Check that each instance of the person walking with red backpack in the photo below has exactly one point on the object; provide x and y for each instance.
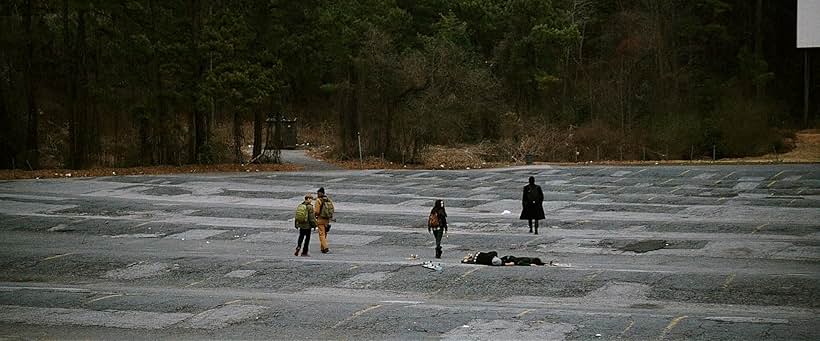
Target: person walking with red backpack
(437, 224)
(304, 221)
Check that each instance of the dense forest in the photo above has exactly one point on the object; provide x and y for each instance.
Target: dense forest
(144, 82)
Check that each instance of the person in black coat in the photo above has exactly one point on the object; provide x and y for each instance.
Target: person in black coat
(531, 201)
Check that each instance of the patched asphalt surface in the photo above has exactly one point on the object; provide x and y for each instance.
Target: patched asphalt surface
(731, 252)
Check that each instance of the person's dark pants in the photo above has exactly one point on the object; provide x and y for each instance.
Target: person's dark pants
(536, 225)
(304, 234)
(438, 234)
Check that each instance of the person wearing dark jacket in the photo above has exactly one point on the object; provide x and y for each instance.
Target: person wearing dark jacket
(437, 224)
(532, 201)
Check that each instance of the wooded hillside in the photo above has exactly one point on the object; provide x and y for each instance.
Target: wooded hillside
(148, 82)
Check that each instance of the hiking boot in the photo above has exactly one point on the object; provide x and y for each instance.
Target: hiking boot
(297, 252)
(325, 250)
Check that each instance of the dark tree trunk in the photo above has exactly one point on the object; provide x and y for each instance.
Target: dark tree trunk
(159, 131)
(258, 124)
(237, 136)
(71, 84)
(81, 112)
(32, 149)
(199, 118)
(5, 129)
(758, 42)
(77, 103)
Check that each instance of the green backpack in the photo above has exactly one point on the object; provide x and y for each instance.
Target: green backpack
(326, 210)
(301, 214)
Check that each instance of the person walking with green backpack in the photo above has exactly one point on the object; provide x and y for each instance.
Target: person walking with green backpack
(304, 221)
(324, 215)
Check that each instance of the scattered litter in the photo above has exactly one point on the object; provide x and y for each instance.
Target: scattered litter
(560, 265)
(433, 266)
(113, 173)
(465, 326)
(506, 212)
(597, 335)
(413, 256)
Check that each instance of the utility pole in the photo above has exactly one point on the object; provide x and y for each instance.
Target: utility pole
(361, 161)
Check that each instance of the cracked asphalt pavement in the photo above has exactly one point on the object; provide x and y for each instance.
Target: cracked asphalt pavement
(210, 256)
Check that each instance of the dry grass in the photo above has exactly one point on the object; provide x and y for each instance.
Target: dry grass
(464, 157)
(806, 150)
(7, 174)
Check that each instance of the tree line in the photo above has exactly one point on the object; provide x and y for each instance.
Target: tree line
(144, 82)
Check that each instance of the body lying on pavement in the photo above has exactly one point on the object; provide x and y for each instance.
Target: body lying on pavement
(491, 258)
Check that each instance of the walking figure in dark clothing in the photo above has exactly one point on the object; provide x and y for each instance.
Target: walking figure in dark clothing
(532, 201)
(437, 224)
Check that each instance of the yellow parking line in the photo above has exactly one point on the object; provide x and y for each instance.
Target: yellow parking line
(791, 202)
(460, 278)
(727, 175)
(671, 325)
(771, 183)
(521, 314)
(757, 229)
(674, 190)
(666, 181)
(251, 262)
(650, 199)
(232, 302)
(353, 268)
(591, 276)
(467, 273)
(58, 256)
(601, 170)
(641, 170)
(356, 314)
(728, 281)
(684, 172)
(775, 176)
(195, 283)
(102, 298)
(584, 197)
(628, 327)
